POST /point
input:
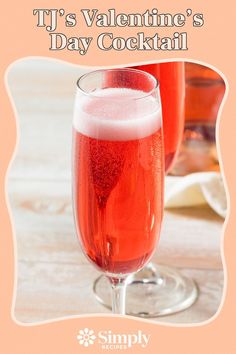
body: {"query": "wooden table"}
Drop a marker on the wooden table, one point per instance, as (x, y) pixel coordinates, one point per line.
(53, 277)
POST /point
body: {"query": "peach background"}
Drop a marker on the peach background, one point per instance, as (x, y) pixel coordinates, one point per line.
(210, 44)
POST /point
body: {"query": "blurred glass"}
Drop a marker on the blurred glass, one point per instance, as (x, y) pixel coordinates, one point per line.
(204, 93)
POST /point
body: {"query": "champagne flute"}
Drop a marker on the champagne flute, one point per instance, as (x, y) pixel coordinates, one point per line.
(118, 172)
(164, 288)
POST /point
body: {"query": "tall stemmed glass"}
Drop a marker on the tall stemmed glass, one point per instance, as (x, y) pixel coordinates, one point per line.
(164, 289)
(118, 172)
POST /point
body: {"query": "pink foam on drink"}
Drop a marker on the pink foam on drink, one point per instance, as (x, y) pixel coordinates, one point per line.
(117, 114)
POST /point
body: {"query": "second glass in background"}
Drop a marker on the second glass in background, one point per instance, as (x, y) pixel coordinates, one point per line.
(165, 289)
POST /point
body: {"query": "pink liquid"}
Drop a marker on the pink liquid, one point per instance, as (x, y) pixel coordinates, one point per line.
(172, 89)
(118, 179)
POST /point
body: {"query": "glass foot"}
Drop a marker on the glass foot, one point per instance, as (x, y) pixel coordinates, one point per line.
(154, 291)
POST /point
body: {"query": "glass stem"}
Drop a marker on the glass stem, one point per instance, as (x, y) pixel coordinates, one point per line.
(118, 286)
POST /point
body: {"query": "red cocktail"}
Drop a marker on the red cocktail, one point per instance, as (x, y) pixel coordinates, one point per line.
(172, 88)
(118, 170)
(157, 289)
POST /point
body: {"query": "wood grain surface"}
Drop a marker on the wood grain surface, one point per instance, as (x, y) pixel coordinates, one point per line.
(54, 279)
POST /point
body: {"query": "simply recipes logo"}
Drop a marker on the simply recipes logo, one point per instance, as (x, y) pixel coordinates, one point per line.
(109, 340)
